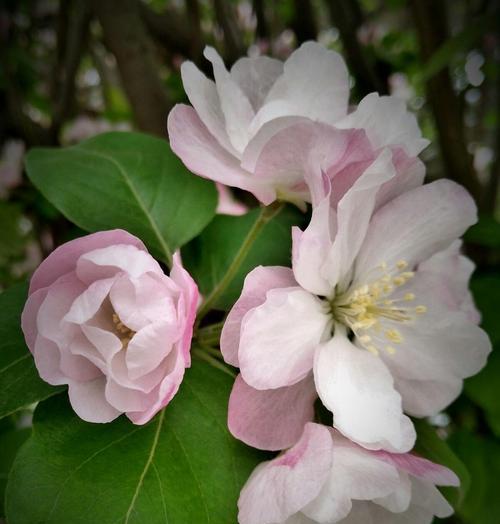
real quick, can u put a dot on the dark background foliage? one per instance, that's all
(70, 69)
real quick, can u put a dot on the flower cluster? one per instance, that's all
(374, 318)
(372, 323)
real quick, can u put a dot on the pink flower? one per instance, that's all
(103, 318)
(232, 119)
(325, 478)
(377, 310)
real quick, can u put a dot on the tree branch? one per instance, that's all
(430, 20)
(233, 43)
(347, 16)
(126, 37)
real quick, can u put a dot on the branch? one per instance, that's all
(72, 40)
(347, 16)
(126, 37)
(430, 20)
(262, 31)
(226, 18)
(304, 22)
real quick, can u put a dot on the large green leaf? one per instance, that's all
(182, 467)
(482, 457)
(20, 384)
(208, 257)
(486, 290)
(484, 390)
(125, 180)
(434, 448)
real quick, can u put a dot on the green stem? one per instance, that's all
(266, 214)
(203, 355)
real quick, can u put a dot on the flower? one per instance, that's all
(326, 478)
(377, 308)
(222, 136)
(102, 317)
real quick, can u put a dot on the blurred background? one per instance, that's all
(70, 69)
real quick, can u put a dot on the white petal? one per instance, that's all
(256, 76)
(354, 212)
(356, 474)
(89, 401)
(387, 123)
(203, 94)
(358, 389)
(279, 337)
(238, 111)
(415, 225)
(314, 84)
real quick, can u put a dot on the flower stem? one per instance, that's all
(267, 213)
(203, 355)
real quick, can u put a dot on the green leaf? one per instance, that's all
(486, 290)
(485, 233)
(125, 180)
(208, 257)
(10, 441)
(182, 467)
(484, 390)
(13, 239)
(434, 448)
(20, 384)
(482, 457)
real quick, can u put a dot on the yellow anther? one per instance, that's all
(383, 266)
(365, 338)
(399, 281)
(390, 349)
(409, 297)
(421, 309)
(394, 336)
(402, 264)
(373, 350)
(388, 302)
(408, 274)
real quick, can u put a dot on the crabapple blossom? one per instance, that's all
(378, 309)
(232, 119)
(325, 478)
(103, 318)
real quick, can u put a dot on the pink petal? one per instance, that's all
(149, 347)
(89, 401)
(279, 338)
(88, 303)
(200, 151)
(270, 419)
(191, 298)
(161, 396)
(358, 389)
(354, 212)
(63, 259)
(421, 468)
(29, 315)
(257, 283)
(47, 357)
(228, 205)
(109, 261)
(278, 489)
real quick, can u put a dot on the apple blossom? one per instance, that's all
(325, 478)
(103, 318)
(378, 309)
(232, 119)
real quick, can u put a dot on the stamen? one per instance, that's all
(364, 308)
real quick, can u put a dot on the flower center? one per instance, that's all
(364, 307)
(124, 333)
